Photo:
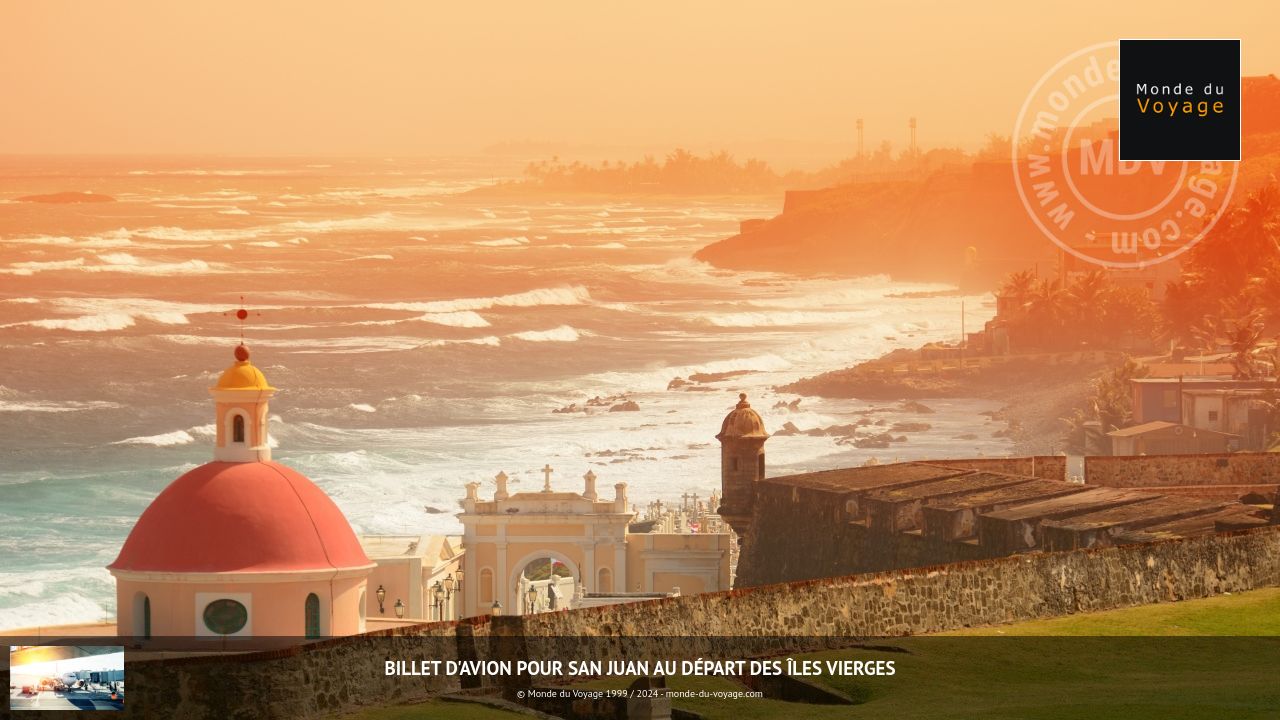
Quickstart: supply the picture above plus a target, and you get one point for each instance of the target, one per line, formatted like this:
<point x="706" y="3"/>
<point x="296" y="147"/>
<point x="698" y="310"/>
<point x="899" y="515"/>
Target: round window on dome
<point x="225" y="616"/>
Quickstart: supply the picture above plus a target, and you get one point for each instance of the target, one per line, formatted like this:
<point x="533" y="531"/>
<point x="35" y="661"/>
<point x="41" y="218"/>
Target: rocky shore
<point x="1035" y="395"/>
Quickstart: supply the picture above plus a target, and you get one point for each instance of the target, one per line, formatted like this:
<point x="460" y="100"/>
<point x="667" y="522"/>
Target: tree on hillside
<point x="1241" y="249"/>
<point x="1018" y="286"/>
<point x="1238" y="323"/>
<point x="1111" y="405"/>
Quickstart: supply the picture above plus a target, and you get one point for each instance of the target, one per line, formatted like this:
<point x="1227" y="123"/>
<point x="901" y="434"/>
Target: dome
<point x="241" y="517"/>
<point x="242" y="375"/>
<point x="742" y="422"/>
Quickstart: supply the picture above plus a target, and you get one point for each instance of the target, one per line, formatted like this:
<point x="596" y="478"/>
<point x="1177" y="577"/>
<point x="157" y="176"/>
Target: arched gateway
<point x="503" y="537"/>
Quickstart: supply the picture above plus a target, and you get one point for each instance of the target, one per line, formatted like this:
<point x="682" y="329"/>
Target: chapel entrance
<point x="545" y="584"/>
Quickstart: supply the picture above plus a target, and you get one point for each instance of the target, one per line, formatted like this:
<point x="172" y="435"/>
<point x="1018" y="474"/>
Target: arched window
<point x="364" y="611"/>
<point x="142" y="616"/>
<point x="313" y="616"/>
<point x="237" y="429"/>
<point x="605" y="584"/>
<point x="760" y="469"/>
<point x="486" y="589"/>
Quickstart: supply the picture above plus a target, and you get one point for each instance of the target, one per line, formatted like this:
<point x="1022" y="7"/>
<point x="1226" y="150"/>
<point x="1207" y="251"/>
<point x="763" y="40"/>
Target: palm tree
<point x="1018" y="285"/>
<point x="1046" y="309"/>
<point x="1240" y="323"/>
<point x="1183" y="310"/>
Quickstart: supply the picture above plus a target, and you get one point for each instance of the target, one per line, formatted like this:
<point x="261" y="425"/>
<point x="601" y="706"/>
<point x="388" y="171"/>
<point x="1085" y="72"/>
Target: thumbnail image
<point x="66" y="677"/>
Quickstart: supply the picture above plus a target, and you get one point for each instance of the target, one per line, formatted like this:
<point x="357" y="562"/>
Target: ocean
<point x="422" y="328"/>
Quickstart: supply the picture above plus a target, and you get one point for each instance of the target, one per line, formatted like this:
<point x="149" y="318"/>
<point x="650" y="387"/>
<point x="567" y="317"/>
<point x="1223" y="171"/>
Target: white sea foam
<point x="55" y="407"/>
<point x="373" y="257"/>
<point x="114" y="263"/>
<point x="564" y="333"/>
<point x="233" y="211"/>
<point x="177" y="437"/>
<point x="104" y="314"/>
<point x="575" y="295"/>
<point x="782" y="318"/>
<point x="462" y="319"/>
<point x="519" y="241"/>
<point x="363" y="407"/>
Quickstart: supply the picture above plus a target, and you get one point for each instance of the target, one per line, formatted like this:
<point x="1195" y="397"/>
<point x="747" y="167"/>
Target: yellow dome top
<point x="242" y="375"/>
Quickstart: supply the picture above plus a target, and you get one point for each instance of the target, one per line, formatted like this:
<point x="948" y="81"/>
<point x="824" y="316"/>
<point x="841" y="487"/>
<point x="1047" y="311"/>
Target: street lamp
<point x="496" y="610"/>
<point x="448" y="594"/>
<point x="381" y="592"/>
<point x="399" y="608"/>
<point x="530" y="597"/>
<point x="459" y="588"/>
<point x="438" y="591"/>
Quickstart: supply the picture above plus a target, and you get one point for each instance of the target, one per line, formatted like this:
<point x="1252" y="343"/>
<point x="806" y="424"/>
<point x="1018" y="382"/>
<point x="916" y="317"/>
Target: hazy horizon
<point x="412" y="79"/>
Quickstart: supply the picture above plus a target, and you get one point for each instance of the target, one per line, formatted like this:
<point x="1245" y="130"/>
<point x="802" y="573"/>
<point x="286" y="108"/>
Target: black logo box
<point x="1187" y="68"/>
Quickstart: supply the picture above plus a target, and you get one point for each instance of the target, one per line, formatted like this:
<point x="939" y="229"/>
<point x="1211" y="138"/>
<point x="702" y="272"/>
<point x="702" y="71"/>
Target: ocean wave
<point x="55" y="407"/>
<point x="65" y="609"/>
<point x="109" y="239"/>
<point x="519" y="241"/>
<point x="372" y="257"/>
<point x="105" y="314"/>
<point x="461" y="319"/>
<point x="233" y="211"/>
<point x="114" y="262"/>
<point x="564" y="333"/>
<point x="575" y="295"/>
<point x="782" y="318"/>
<point x="363" y="407"/>
<point x="177" y="437"/>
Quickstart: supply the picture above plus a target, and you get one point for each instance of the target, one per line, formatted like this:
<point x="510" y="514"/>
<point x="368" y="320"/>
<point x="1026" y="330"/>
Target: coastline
<point x="1034" y="394"/>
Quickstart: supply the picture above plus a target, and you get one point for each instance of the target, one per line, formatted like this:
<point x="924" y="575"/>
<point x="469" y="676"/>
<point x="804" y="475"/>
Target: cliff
<point x="910" y="229"/>
<point x="963" y="225"/>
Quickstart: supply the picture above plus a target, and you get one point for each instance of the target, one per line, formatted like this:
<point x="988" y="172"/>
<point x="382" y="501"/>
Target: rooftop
<point x="949" y="486"/>
<point x="867" y="477"/>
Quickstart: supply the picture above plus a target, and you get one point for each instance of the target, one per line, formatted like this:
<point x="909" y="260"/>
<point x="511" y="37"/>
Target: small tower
<point x="741" y="439"/>
<point x="240" y="412"/>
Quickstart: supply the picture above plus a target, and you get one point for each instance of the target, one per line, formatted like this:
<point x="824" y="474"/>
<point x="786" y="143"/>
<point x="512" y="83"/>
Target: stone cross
<point x="685" y="497"/>
<point x="546" y="472"/>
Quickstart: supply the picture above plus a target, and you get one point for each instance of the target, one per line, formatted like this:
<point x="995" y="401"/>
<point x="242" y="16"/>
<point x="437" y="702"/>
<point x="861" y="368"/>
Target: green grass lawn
<point x="1212" y="658"/>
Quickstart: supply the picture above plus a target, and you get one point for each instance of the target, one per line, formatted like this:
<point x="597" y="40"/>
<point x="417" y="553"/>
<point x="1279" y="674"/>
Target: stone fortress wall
<point x="339" y="675"/>
<point x="830" y="557"/>
<point x="1227" y="476"/>
<point x="885" y="517"/>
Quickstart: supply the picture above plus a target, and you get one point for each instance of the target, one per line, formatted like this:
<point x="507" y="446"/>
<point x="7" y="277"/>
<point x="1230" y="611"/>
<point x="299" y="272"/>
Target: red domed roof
<point x="241" y="517"/>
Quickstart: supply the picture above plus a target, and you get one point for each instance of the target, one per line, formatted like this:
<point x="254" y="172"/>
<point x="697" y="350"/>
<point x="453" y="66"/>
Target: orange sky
<point x="415" y="78"/>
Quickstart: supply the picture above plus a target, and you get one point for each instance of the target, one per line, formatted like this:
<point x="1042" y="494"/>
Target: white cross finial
<point x="546" y="472"/>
